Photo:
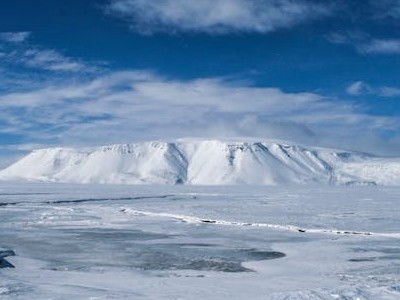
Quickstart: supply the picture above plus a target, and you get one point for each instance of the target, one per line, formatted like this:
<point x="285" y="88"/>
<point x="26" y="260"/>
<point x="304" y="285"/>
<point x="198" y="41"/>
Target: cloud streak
<point x="386" y="9"/>
<point x="367" y="45"/>
<point x="358" y="88"/>
<point x="50" y="60"/>
<point x="216" y="16"/>
<point x="18" y="50"/>
<point x="361" y="88"/>
<point x="381" y="46"/>
<point x="15" y="37"/>
<point x="390" y="91"/>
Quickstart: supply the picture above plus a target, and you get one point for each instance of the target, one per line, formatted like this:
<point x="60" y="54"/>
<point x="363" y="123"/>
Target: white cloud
<point x="50" y="60"/>
<point x="216" y="16"/>
<point x="381" y="46"/>
<point x="389" y="91"/>
<point x="386" y="8"/>
<point x="365" y="44"/>
<point x="358" y="88"/>
<point x="129" y="106"/>
<point x="34" y="56"/>
<point x="15" y="37"/>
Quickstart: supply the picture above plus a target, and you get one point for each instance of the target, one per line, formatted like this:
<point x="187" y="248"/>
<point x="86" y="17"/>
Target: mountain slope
<point x="209" y="162"/>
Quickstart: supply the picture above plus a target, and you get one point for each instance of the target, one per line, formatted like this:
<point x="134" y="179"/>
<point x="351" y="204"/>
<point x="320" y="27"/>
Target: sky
<point x="96" y="72"/>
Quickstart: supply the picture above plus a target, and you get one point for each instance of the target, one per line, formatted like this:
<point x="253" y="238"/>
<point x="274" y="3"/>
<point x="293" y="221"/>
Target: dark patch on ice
<point x="3" y="262"/>
<point x="6" y="253"/>
<point x="353" y="233"/>
<point x="8" y="203"/>
<point x="302" y="230"/>
<point x="257" y="255"/>
<point x="364" y="259"/>
<point x="389" y="253"/>
<point x="176" y="257"/>
<point x="106" y="199"/>
<point x="377" y="219"/>
<point x="386" y="257"/>
<point x="91" y="250"/>
<point x="110" y="235"/>
<point x="219" y="260"/>
<point x="161" y="261"/>
<point x="215" y="265"/>
<point x="176" y="198"/>
<point x="395" y="288"/>
<point x="24" y="194"/>
<point x="209" y="221"/>
<point x="74" y="201"/>
<point x="195" y="245"/>
<point x="390" y="257"/>
<point x="388" y="250"/>
<point x="384" y="250"/>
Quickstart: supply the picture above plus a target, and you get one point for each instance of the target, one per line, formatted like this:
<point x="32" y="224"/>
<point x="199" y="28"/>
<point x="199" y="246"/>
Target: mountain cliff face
<point x="210" y="162"/>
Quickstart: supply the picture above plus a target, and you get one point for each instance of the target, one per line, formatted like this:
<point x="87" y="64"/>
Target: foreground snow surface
<point x="182" y="242"/>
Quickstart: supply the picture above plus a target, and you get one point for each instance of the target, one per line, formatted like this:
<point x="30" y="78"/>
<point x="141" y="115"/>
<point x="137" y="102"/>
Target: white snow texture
<point x="205" y="162"/>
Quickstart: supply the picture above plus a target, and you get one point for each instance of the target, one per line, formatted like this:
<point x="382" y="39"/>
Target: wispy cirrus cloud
<point x="380" y="46"/>
<point x="50" y="60"/>
<point x="358" y="88"/>
<point x="15" y="37"/>
<point x="383" y="14"/>
<point x="19" y="50"/>
<point x="386" y="8"/>
<point x="361" y="88"/>
<point x="390" y="91"/>
<point x="216" y="16"/>
<point x="366" y="44"/>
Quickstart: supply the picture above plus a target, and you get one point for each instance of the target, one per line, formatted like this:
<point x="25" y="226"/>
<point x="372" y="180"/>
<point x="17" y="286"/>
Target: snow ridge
<point x="204" y="162"/>
<point x="197" y="220"/>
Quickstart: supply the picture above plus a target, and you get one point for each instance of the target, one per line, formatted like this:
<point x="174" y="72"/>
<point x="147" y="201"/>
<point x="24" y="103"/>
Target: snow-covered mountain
<point x="204" y="162"/>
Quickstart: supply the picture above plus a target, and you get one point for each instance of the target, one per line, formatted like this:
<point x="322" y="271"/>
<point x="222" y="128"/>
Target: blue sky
<point x="81" y="73"/>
